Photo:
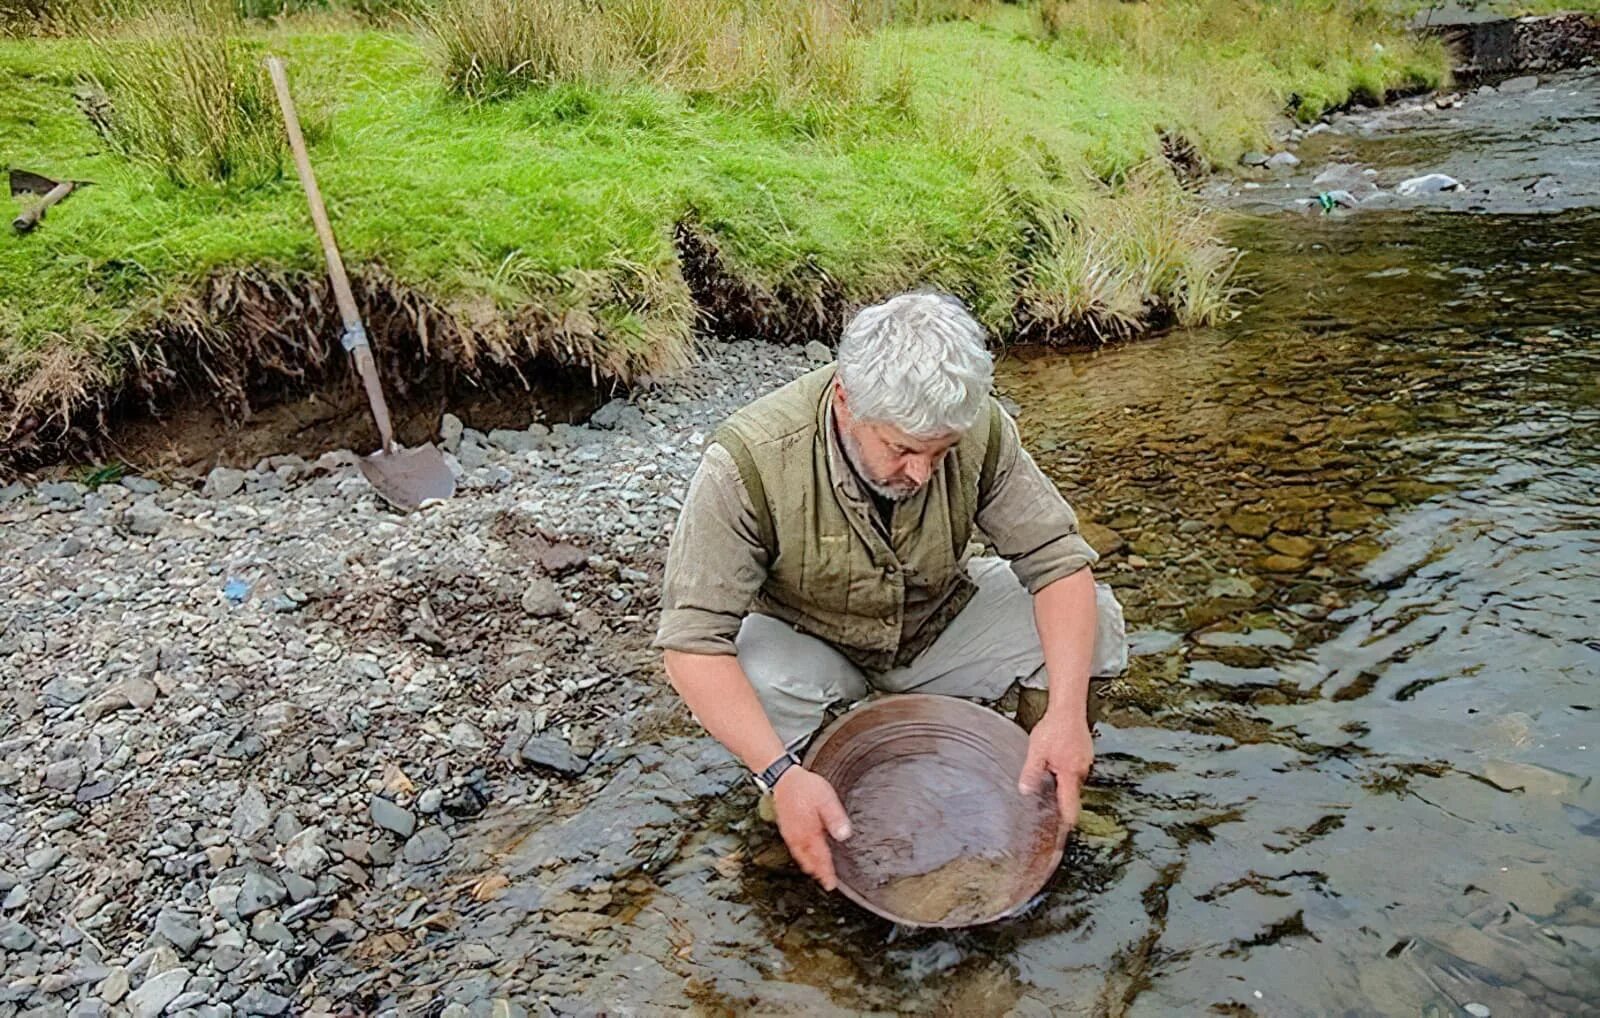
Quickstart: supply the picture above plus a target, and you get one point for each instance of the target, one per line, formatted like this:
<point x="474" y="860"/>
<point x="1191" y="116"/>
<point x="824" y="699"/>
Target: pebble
<point x="818" y="353"/>
<point x="16" y="937"/>
<point x="257" y="1001"/>
<point x="1518" y="85"/>
<point x="1476" y="1010"/>
<point x="232" y="724"/>
<point x="541" y="599"/>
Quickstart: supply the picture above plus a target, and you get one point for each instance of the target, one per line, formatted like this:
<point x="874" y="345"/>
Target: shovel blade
<point x="406" y="478"/>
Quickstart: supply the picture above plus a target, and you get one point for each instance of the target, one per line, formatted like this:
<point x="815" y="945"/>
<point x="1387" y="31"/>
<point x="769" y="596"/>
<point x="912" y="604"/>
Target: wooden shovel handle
<point x="30" y="218"/>
<point x="355" y="334"/>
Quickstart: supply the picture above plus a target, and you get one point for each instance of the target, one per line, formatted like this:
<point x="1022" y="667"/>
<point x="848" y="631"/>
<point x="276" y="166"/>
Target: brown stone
<point x="1349" y="519"/>
<point x="1354" y="554"/>
<point x="1254" y="525"/>
<point x="578" y="925"/>
<point x="1293" y="547"/>
<point x="1378" y="498"/>
<point x="1102" y="539"/>
<point x="1283" y="564"/>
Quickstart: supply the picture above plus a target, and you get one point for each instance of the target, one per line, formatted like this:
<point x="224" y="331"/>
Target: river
<point x="1351" y="771"/>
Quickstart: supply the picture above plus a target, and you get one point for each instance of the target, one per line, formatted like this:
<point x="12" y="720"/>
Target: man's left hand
<point x="1060" y="745"/>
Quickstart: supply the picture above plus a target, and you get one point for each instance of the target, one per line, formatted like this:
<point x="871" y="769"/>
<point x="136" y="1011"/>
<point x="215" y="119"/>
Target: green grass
<point x="983" y="154"/>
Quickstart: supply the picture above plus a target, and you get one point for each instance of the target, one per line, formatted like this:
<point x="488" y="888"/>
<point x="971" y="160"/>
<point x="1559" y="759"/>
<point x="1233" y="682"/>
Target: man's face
<point x="893" y="464"/>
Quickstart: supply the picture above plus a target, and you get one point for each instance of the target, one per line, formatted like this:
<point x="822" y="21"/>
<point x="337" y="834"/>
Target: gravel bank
<point x="244" y="722"/>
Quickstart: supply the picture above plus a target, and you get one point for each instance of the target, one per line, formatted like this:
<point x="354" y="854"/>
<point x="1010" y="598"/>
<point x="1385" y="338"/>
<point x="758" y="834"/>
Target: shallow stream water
<point x="1352" y="769"/>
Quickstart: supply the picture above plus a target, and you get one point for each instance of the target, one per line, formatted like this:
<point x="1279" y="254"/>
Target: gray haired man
<point x="828" y="548"/>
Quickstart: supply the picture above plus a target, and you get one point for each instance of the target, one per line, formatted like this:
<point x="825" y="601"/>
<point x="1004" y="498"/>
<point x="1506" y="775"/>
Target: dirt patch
<point x="251" y="368"/>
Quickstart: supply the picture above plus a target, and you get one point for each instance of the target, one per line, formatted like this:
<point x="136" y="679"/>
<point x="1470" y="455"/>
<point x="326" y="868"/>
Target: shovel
<point x="405" y="478"/>
<point x="50" y="192"/>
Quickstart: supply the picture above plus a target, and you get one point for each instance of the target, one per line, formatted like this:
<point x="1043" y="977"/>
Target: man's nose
<point x="919" y="469"/>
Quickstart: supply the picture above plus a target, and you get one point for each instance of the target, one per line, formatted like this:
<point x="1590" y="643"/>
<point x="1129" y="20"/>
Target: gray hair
<point x="917" y="361"/>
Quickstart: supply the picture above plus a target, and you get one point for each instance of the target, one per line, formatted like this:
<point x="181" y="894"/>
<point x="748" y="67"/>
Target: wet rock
<point x="1284" y="564"/>
<point x="223" y="482"/>
<point x="1432" y="183"/>
<point x="156" y="992"/>
<point x="1231" y="586"/>
<point x="391" y="817"/>
<point x="552" y="753"/>
<point x="465" y="802"/>
<point x="541" y="599"/>
<point x="818" y="353"/>
<point x="1255" y="525"/>
<point x="430" y="844"/>
<point x="1294" y="547"/>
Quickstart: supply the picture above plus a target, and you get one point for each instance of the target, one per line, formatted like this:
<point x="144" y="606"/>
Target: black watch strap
<point x="768" y="778"/>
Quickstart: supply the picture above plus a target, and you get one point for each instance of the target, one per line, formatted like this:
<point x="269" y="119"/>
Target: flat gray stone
<point x="428" y="845"/>
<point x="1283" y="161"/>
<point x="541" y="599"/>
<point x="553" y="753"/>
<point x="144" y="518"/>
<point x="1518" y="85"/>
<point x="140" y="485"/>
<point x="260" y="891"/>
<point x="223" y="482"/>
<point x="818" y="353"/>
<point x="391" y="817"/>
<point x="179" y="929"/>
<point x="257" y="1001"/>
<point x="155" y="993"/>
<point x="512" y="441"/>
<point x="16" y="937"/>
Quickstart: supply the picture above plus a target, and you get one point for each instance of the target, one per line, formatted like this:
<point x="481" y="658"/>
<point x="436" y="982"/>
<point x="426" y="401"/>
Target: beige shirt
<point x="716" y="562"/>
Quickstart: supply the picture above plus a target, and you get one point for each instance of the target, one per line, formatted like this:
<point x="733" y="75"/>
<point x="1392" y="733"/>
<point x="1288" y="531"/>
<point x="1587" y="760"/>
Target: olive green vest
<point x="831" y="573"/>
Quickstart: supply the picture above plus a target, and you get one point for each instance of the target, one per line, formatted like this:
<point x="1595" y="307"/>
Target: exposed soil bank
<point x="254" y="367"/>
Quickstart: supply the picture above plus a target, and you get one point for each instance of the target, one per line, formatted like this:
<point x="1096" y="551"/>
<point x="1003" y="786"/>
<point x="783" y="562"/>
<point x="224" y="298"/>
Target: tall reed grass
<point x="180" y="90"/>
<point x="771" y="49"/>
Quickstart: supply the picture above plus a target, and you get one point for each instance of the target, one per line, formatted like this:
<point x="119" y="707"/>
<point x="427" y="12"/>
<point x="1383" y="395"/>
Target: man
<point x="825" y="550"/>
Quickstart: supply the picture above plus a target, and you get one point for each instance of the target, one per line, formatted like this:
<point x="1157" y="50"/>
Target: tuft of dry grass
<point x="774" y="49"/>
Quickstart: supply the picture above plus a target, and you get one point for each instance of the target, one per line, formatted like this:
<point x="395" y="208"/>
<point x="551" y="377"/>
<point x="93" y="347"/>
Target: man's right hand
<point x="808" y="811"/>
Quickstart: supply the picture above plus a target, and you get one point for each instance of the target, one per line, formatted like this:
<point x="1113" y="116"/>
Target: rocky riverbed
<point x="244" y="721"/>
<point x="268" y="748"/>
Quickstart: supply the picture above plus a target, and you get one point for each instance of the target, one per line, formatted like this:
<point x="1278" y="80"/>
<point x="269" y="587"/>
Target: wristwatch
<point x="768" y="779"/>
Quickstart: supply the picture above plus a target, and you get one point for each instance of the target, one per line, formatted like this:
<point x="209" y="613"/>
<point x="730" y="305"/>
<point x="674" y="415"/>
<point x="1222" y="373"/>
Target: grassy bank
<point x="1011" y="156"/>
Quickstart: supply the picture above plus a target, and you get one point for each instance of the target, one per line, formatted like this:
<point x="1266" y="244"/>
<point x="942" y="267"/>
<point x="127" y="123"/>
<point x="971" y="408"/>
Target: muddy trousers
<point x="992" y="644"/>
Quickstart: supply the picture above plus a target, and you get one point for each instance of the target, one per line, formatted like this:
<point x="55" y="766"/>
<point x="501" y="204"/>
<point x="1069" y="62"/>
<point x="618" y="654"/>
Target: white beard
<point x="852" y="451"/>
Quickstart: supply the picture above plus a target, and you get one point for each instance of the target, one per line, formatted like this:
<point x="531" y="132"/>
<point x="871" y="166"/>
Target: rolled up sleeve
<point x="1028" y="521"/>
<point x="715" y="563"/>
